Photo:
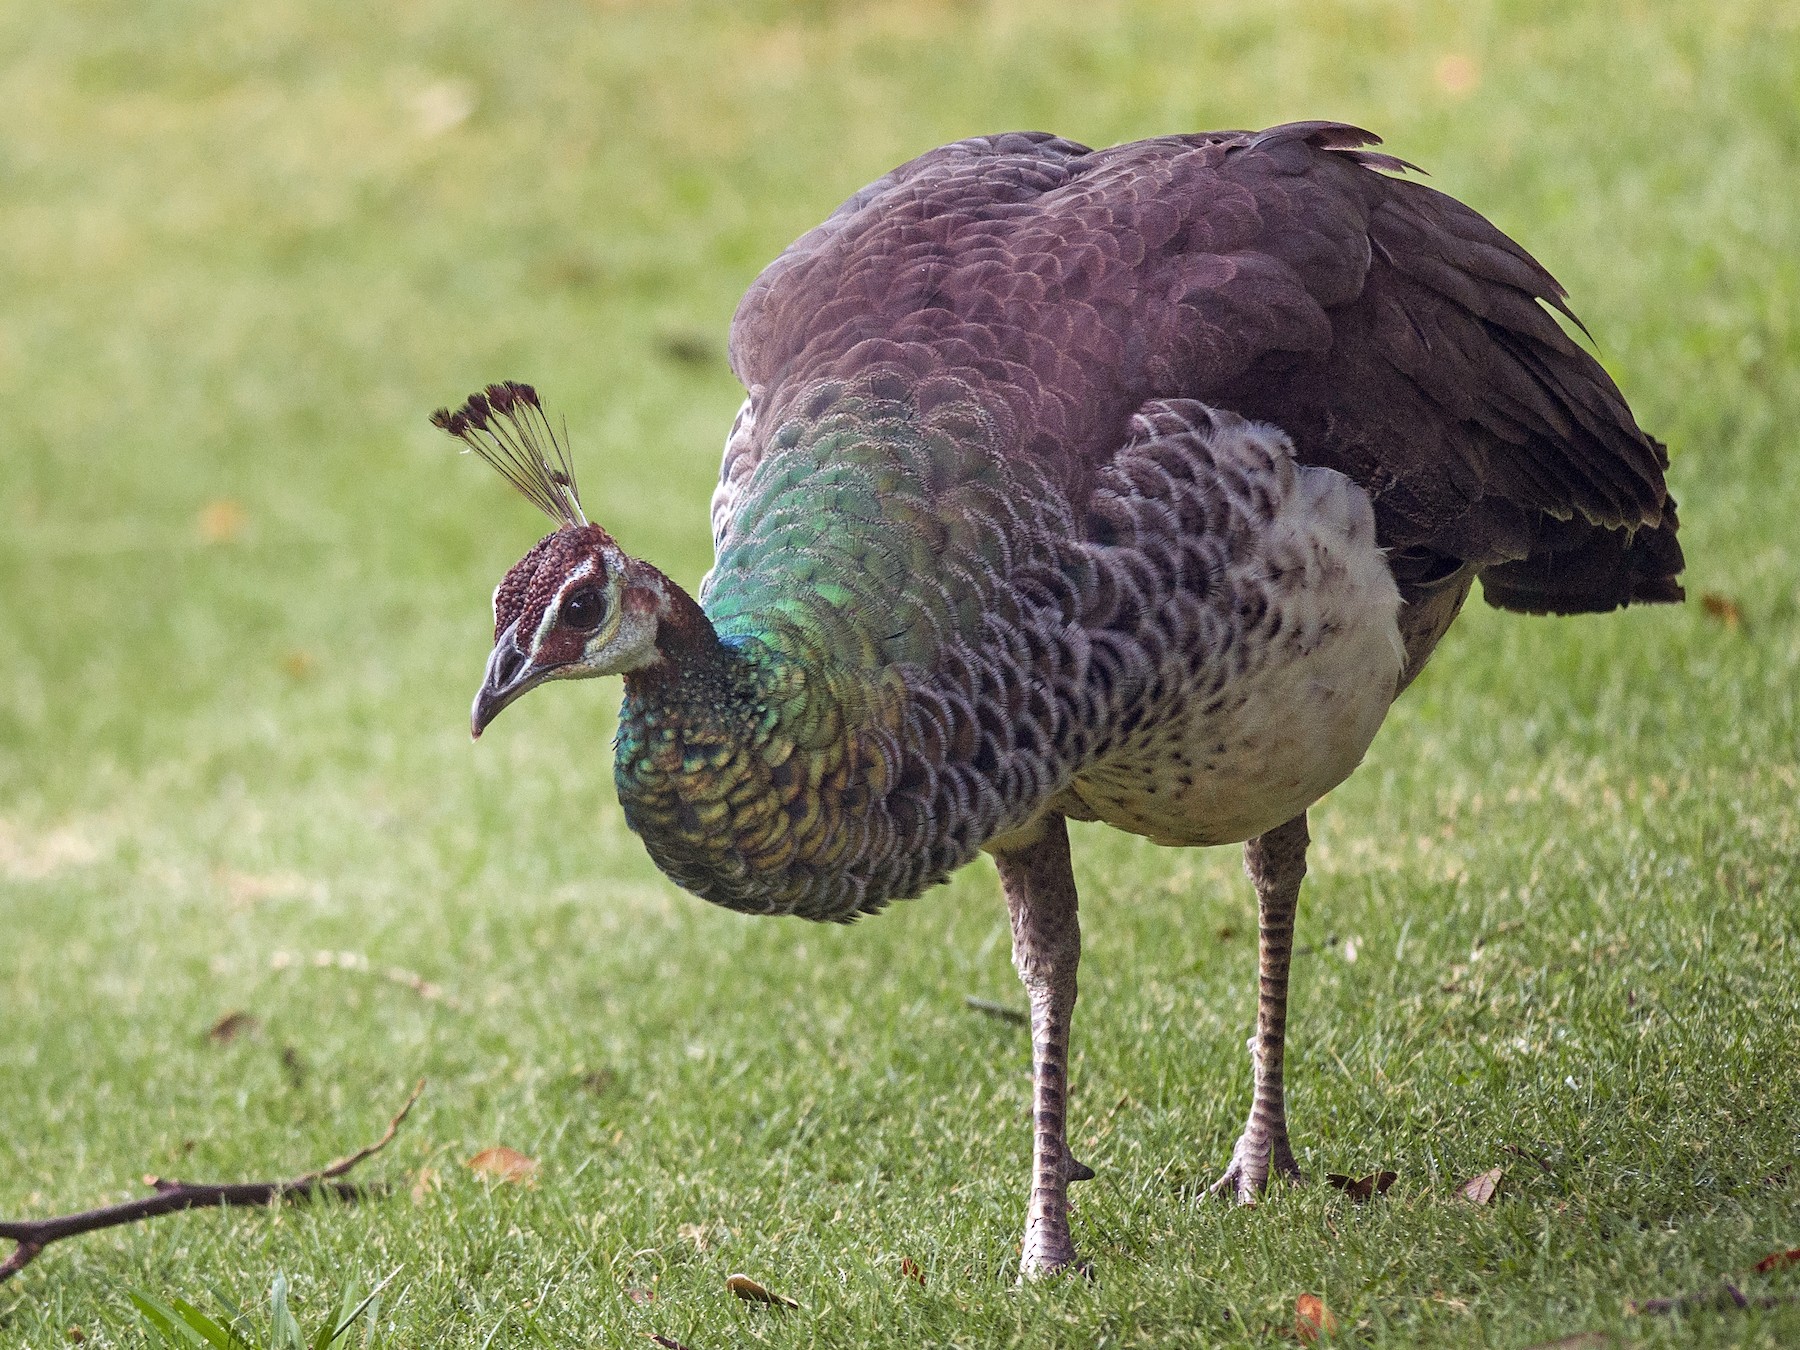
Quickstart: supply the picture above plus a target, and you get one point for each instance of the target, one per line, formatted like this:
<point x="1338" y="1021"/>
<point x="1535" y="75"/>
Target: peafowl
<point x="1128" y="485"/>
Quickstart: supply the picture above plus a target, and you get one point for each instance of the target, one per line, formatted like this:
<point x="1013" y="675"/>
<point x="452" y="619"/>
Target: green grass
<point x="245" y="249"/>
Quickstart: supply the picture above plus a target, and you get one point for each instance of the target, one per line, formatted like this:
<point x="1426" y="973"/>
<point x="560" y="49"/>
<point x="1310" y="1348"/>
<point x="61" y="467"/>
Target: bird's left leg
<point x="1040" y="895"/>
<point x="1276" y="862"/>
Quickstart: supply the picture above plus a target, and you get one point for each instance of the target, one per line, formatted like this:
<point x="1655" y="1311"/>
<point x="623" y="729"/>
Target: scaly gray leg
<point x="1276" y="862"/>
<point x="1040" y="895"/>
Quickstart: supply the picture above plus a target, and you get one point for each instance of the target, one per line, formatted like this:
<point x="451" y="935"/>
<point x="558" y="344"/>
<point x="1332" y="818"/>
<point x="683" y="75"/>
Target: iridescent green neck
<point x="836" y="546"/>
<point x="778" y="756"/>
<point x="736" y="764"/>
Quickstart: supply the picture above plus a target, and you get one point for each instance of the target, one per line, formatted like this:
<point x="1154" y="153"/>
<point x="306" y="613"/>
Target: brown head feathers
<point x="506" y="426"/>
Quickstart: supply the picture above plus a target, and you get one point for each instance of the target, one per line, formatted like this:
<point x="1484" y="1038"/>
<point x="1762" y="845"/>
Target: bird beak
<point x="509" y="674"/>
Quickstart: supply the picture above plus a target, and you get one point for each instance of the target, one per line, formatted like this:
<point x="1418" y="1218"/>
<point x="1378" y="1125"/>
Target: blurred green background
<point x="244" y="250"/>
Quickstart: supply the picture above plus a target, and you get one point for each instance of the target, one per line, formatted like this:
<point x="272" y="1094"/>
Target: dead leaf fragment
<point x="1312" y="1319"/>
<point x="249" y="888"/>
<point x="442" y="106"/>
<point x="29" y="856"/>
<point x="232" y="1025"/>
<point x="910" y="1269"/>
<point x="1456" y="74"/>
<point x="1363" y="1189"/>
<point x="294" y="1067"/>
<point x="221" y="521"/>
<point x="752" y="1292"/>
<point x="1722" y="608"/>
<point x="694" y="1233"/>
<point x="1480" y="1190"/>
<point x="77" y="1335"/>
<point x="666" y="1342"/>
<point x="1775" y="1260"/>
<point x="689" y="349"/>
<point x="504" y="1164"/>
<point x="642" y="1297"/>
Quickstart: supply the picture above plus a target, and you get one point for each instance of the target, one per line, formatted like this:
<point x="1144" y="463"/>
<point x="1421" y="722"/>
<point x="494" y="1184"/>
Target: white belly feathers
<point x="1300" y="661"/>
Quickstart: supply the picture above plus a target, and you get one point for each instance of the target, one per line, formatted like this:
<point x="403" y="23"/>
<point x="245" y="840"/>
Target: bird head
<point x="576" y="605"/>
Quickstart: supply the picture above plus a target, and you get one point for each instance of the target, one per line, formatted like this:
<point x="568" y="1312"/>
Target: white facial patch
<point x="554" y="608"/>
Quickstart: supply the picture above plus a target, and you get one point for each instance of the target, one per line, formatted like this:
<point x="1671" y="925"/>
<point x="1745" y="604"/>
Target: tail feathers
<point x="1575" y="567"/>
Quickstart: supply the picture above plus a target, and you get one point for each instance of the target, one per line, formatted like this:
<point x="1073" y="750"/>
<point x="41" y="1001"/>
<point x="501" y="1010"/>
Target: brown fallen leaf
<point x="1722" y="608"/>
<point x="221" y="521"/>
<point x="1362" y="1189"/>
<point x="232" y="1025"/>
<point x="752" y="1292"/>
<point x="1480" y="1190"/>
<point x="77" y="1335"/>
<point x="1456" y="74"/>
<point x="910" y="1269"/>
<point x="504" y="1164"/>
<point x="666" y="1342"/>
<point x="1775" y="1260"/>
<point x="642" y="1297"/>
<point x="1312" y="1319"/>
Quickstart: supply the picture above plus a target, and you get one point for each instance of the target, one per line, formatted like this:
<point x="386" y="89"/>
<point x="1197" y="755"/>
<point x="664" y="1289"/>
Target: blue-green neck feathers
<point x="764" y="761"/>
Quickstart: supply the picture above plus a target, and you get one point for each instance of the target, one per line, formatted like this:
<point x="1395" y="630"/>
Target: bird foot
<point x="1048" y="1249"/>
<point x="1252" y="1161"/>
<point x="1045" y="1260"/>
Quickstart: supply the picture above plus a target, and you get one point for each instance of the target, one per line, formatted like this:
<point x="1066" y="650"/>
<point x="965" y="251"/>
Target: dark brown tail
<point x="1579" y="568"/>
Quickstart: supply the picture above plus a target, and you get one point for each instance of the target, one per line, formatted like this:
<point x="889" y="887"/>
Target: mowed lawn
<point x="1553" y="924"/>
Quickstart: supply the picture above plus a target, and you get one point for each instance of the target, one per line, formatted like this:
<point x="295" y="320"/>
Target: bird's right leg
<point x="1039" y="883"/>
<point x="1276" y="862"/>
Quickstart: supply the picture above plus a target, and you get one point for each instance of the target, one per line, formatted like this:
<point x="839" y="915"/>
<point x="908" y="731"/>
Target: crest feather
<point x="505" y="424"/>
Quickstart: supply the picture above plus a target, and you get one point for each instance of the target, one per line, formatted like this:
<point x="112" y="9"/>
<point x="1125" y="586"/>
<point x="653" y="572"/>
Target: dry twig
<point x="1725" y="1294"/>
<point x="33" y="1235"/>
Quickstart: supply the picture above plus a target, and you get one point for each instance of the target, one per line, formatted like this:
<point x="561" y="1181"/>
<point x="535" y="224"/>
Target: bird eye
<point x="584" y="609"/>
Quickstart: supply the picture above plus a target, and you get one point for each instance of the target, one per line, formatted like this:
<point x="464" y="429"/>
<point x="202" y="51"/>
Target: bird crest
<point x="505" y="424"/>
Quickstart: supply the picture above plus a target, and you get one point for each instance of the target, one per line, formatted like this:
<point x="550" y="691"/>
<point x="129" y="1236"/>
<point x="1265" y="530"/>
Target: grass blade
<point x="345" y="1319"/>
<point x="209" y="1331"/>
<point x="326" y="1335"/>
<point x="284" y="1331"/>
<point x="233" y="1312"/>
<point x="163" y="1320"/>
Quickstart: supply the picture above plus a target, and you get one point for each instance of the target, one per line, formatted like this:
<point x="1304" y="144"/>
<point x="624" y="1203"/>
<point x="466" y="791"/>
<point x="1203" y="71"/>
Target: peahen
<point x="1126" y="485"/>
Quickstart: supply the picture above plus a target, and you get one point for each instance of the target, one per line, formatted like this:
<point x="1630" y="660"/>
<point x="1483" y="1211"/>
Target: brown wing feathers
<point x="1393" y="333"/>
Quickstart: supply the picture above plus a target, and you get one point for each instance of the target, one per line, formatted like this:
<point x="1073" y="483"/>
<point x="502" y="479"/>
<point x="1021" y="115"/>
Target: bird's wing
<point x="1448" y="388"/>
<point x="1393" y="333"/>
